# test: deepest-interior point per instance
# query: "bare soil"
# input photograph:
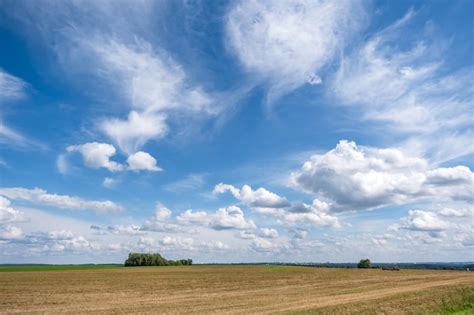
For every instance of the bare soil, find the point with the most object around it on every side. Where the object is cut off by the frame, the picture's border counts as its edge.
(231, 289)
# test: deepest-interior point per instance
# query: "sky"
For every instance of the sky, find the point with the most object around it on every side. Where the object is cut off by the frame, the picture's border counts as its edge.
(236, 131)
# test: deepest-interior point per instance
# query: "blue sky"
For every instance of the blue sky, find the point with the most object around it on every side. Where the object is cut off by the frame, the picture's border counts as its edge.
(236, 131)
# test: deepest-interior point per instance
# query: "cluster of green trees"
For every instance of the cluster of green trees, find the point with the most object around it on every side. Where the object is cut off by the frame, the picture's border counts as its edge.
(364, 263)
(144, 259)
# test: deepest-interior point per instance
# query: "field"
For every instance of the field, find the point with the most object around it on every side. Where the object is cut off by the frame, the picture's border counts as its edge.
(237, 289)
(9, 268)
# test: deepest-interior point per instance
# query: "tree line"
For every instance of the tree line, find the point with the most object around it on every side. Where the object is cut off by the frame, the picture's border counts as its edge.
(145, 259)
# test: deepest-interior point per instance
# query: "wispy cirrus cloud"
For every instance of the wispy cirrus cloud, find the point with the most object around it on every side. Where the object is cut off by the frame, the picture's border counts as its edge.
(410, 91)
(13, 89)
(154, 86)
(42, 197)
(152, 94)
(288, 43)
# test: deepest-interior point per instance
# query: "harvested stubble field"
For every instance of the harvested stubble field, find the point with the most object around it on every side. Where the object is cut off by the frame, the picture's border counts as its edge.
(236, 289)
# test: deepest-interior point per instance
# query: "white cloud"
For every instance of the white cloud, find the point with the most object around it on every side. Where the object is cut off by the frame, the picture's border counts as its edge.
(231, 217)
(62, 240)
(151, 79)
(167, 244)
(140, 161)
(109, 182)
(409, 91)
(316, 213)
(215, 245)
(129, 230)
(190, 217)
(7, 213)
(125, 64)
(457, 213)
(97, 155)
(189, 183)
(136, 130)
(42, 197)
(177, 243)
(353, 178)
(11, 233)
(289, 42)
(160, 221)
(11, 87)
(269, 203)
(49, 242)
(419, 220)
(8, 135)
(264, 245)
(153, 84)
(260, 198)
(246, 235)
(62, 164)
(162, 213)
(268, 233)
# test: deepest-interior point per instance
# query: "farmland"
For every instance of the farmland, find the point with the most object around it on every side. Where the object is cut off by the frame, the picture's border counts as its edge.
(236, 289)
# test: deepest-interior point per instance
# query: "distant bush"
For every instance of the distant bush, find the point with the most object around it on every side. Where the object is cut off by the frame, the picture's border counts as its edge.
(144, 259)
(364, 263)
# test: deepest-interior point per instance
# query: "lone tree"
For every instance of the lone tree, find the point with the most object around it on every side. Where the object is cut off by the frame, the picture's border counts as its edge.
(364, 263)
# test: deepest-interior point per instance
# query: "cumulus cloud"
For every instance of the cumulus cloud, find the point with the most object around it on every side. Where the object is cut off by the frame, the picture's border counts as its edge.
(419, 220)
(66, 241)
(140, 161)
(190, 217)
(160, 221)
(269, 203)
(97, 155)
(353, 178)
(231, 217)
(42, 197)
(429, 223)
(260, 244)
(288, 43)
(215, 245)
(268, 233)
(457, 213)
(7, 213)
(246, 235)
(179, 243)
(260, 198)
(128, 230)
(11, 233)
(50, 242)
(316, 213)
